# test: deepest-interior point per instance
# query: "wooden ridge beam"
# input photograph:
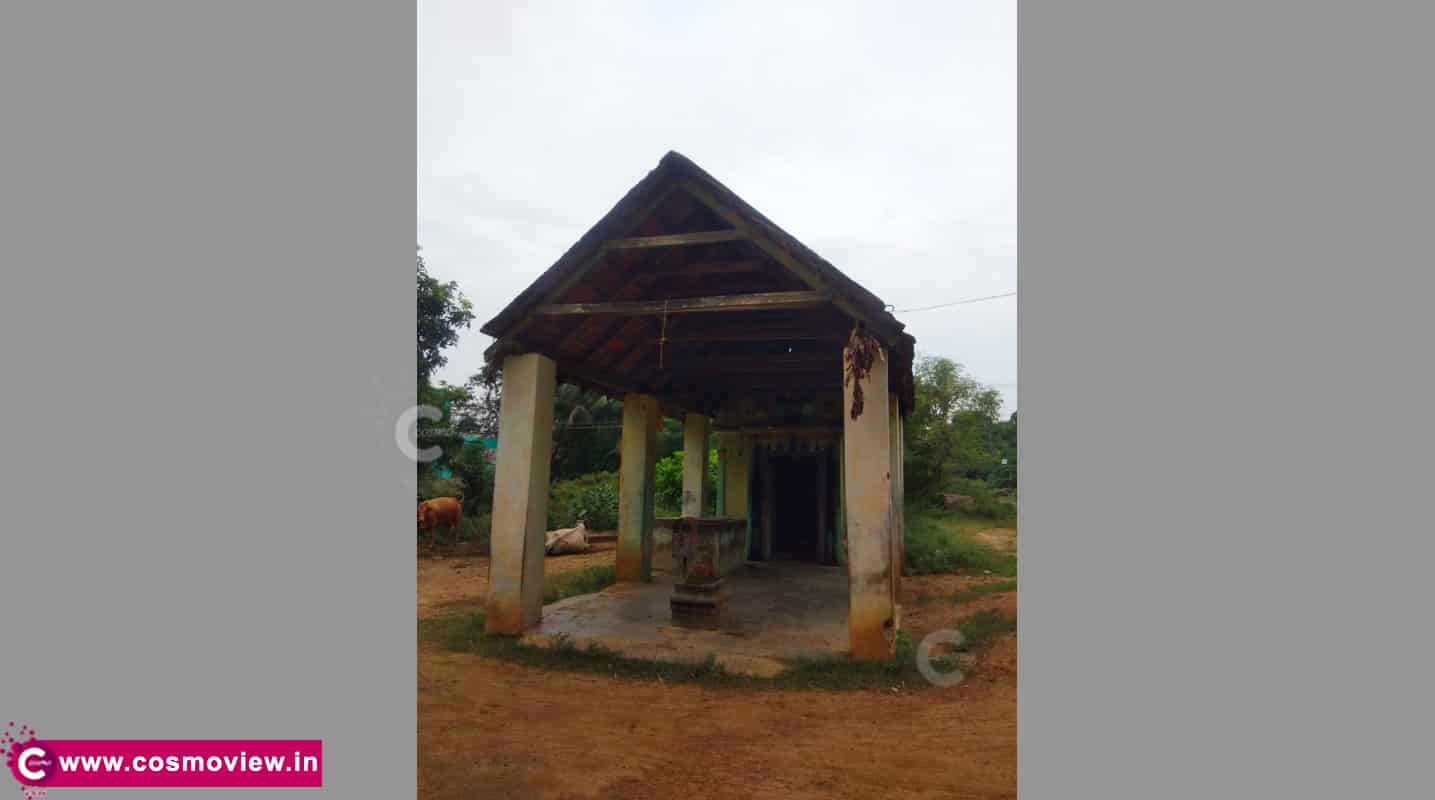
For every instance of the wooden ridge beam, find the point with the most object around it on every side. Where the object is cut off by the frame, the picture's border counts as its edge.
(704, 268)
(761, 301)
(675, 239)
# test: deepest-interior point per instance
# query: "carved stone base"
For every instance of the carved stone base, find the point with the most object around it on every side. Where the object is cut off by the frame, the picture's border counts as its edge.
(700, 605)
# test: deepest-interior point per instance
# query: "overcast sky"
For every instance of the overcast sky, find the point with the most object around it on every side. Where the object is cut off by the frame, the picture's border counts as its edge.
(884, 140)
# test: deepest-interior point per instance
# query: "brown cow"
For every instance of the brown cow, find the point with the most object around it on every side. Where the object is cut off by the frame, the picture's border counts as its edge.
(441, 511)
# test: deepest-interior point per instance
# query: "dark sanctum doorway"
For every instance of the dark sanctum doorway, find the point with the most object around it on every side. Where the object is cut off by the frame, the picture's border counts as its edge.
(795, 507)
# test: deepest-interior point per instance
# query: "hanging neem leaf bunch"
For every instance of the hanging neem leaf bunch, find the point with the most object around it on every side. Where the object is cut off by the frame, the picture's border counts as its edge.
(863, 350)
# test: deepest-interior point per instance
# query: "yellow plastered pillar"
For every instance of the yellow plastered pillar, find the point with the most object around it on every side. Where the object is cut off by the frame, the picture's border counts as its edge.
(639, 456)
(899, 524)
(867, 463)
(695, 464)
(520, 494)
(736, 467)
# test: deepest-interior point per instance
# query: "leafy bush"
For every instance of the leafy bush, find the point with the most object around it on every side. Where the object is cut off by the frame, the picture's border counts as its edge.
(475, 475)
(992, 508)
(668, 480)
(586, 493)
(597, 506)
(430, 488)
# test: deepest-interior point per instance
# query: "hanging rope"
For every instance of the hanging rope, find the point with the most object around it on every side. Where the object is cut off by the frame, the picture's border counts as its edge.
(663, 338)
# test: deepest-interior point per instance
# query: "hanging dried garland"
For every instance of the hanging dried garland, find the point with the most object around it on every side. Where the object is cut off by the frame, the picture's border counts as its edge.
(863, 350)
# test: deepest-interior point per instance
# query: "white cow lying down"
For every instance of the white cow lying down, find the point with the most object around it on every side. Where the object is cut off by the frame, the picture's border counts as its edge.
(566, 540)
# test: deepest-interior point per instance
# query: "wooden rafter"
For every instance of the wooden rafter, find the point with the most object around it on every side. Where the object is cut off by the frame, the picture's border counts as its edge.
(780, 255)
(629, 357)
(640, 217)
(594, 331)
(761, 301)
(675, 239)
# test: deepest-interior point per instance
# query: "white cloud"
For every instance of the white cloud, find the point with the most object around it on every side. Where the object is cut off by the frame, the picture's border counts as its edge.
(885, 141)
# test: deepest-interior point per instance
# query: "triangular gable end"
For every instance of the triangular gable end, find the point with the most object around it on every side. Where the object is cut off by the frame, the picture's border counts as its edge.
(630, 306)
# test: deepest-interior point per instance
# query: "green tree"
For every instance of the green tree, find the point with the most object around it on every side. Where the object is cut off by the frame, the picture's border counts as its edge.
(443, 312)
(443, 433)
(587, 430)
(1004, 434)
(951, 432)
(485, 400)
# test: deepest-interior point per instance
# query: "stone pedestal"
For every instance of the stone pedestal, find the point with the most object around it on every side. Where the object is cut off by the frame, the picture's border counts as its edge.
(700, 604)
(700, 559)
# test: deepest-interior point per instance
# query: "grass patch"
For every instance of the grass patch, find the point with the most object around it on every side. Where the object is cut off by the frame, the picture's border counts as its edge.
(940, 542)
(844, 672)
(982, 627)
(584, 581)
(973, 592)
(465, 634)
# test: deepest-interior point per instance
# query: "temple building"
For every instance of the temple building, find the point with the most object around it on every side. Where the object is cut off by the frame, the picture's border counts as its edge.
(686, 302)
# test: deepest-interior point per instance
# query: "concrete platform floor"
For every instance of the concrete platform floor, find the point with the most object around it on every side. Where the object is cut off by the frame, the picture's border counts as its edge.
(777, 612)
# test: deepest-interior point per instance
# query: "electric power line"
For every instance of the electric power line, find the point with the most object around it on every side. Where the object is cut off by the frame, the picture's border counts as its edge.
(955, 303)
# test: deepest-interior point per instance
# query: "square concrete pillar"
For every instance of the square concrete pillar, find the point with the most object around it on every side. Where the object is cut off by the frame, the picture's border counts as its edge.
(520, 494)
(899, 522)
(867, 464)
(841, 536)
(769, 505)
(735, 455)
(695, 464)
(823, 557)
(636, 498)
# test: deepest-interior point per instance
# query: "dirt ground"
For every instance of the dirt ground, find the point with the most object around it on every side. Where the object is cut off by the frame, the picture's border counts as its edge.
(492, 729)
(446, 577)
